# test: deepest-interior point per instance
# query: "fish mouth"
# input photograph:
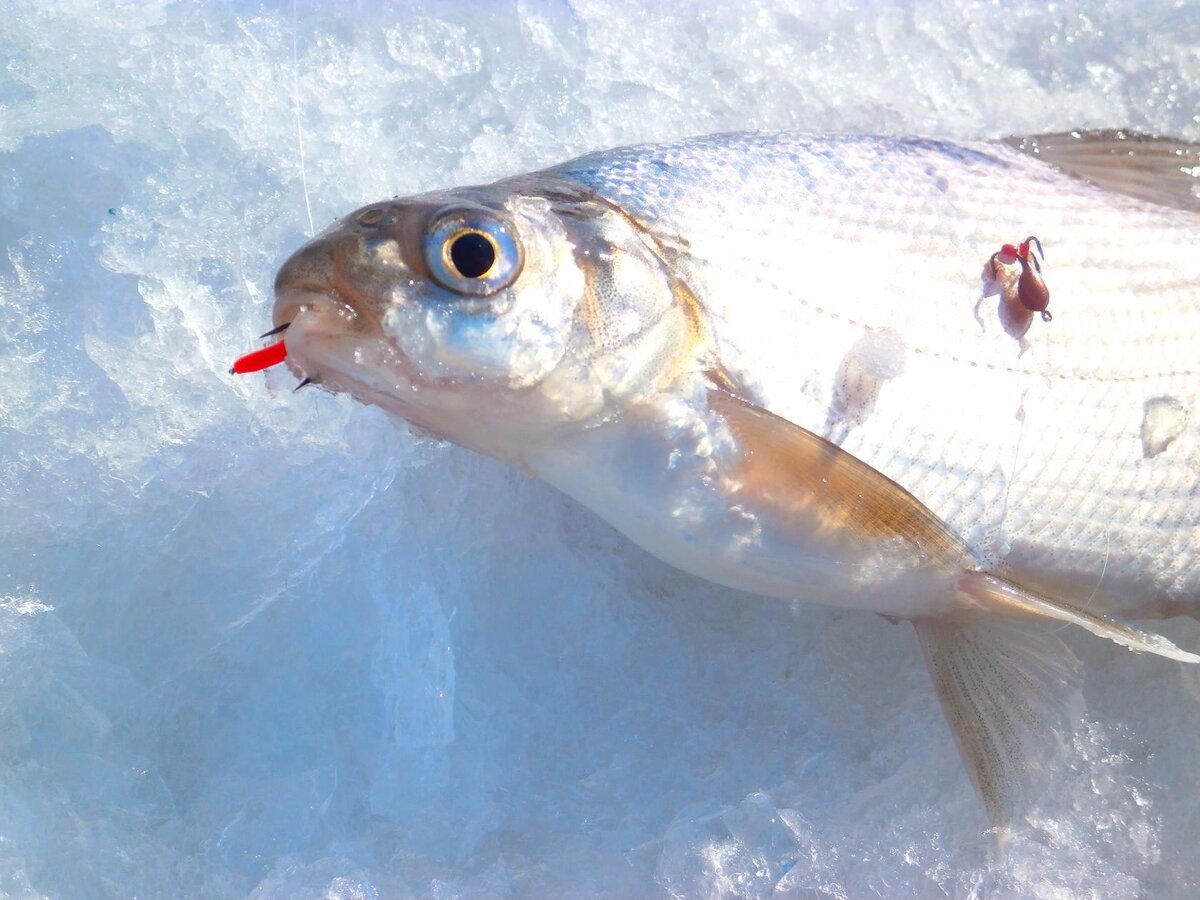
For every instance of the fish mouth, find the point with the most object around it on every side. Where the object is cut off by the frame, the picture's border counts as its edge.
(328, 342)
(334, 320)
(332, 344)
(301, 308)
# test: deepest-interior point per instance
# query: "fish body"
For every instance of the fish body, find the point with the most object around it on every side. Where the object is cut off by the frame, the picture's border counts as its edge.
(798, 366)
(844, 282)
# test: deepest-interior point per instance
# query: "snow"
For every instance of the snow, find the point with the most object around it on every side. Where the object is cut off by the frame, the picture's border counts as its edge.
(257, 643)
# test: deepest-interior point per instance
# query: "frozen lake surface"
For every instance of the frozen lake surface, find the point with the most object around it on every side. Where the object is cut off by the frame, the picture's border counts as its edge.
(271, 644)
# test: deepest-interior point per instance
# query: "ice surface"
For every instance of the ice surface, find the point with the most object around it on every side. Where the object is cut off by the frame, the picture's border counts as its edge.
(257, 643)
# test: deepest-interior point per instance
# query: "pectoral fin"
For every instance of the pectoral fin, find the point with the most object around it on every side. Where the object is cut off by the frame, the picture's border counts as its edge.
(1160, 170)
(800, 475)
(1011, 697)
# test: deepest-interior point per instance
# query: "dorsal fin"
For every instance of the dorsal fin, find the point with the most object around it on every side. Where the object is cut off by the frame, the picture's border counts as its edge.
(1160, 170)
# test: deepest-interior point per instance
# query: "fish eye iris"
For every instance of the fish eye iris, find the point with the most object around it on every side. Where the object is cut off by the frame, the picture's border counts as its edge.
(472, 254)
(472, 251)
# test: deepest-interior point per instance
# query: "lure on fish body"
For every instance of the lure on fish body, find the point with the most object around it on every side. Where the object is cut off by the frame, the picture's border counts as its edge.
(761, 357)
(1031, 292)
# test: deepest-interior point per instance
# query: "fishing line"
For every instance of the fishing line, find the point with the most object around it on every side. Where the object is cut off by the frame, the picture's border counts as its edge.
(296, 111)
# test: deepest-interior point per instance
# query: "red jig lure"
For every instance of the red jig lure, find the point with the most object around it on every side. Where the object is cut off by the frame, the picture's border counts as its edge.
(1031, 288)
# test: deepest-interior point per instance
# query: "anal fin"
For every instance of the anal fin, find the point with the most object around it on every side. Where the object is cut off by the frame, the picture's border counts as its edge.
(1011, 697)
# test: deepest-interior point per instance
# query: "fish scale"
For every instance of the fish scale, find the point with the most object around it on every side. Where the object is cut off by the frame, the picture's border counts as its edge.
(864, 233)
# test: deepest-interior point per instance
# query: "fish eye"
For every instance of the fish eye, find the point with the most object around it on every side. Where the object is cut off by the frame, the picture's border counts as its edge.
(472, 251)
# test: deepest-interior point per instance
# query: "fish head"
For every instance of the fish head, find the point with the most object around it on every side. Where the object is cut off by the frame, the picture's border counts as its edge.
(490, 316)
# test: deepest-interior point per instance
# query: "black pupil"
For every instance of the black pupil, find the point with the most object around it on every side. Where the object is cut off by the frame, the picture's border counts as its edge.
(473, 255)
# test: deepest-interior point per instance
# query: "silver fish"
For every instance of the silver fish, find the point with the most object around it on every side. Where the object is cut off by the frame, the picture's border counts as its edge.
(812, 367)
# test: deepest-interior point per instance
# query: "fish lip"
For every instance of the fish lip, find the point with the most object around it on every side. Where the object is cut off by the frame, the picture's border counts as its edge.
(309, 308)
(308, 296)
(315, 314)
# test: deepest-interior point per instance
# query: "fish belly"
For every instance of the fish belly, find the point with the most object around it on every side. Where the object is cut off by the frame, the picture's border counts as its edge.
(849, 289)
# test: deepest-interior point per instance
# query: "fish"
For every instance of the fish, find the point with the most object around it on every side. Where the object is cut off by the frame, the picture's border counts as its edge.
(824, 368)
